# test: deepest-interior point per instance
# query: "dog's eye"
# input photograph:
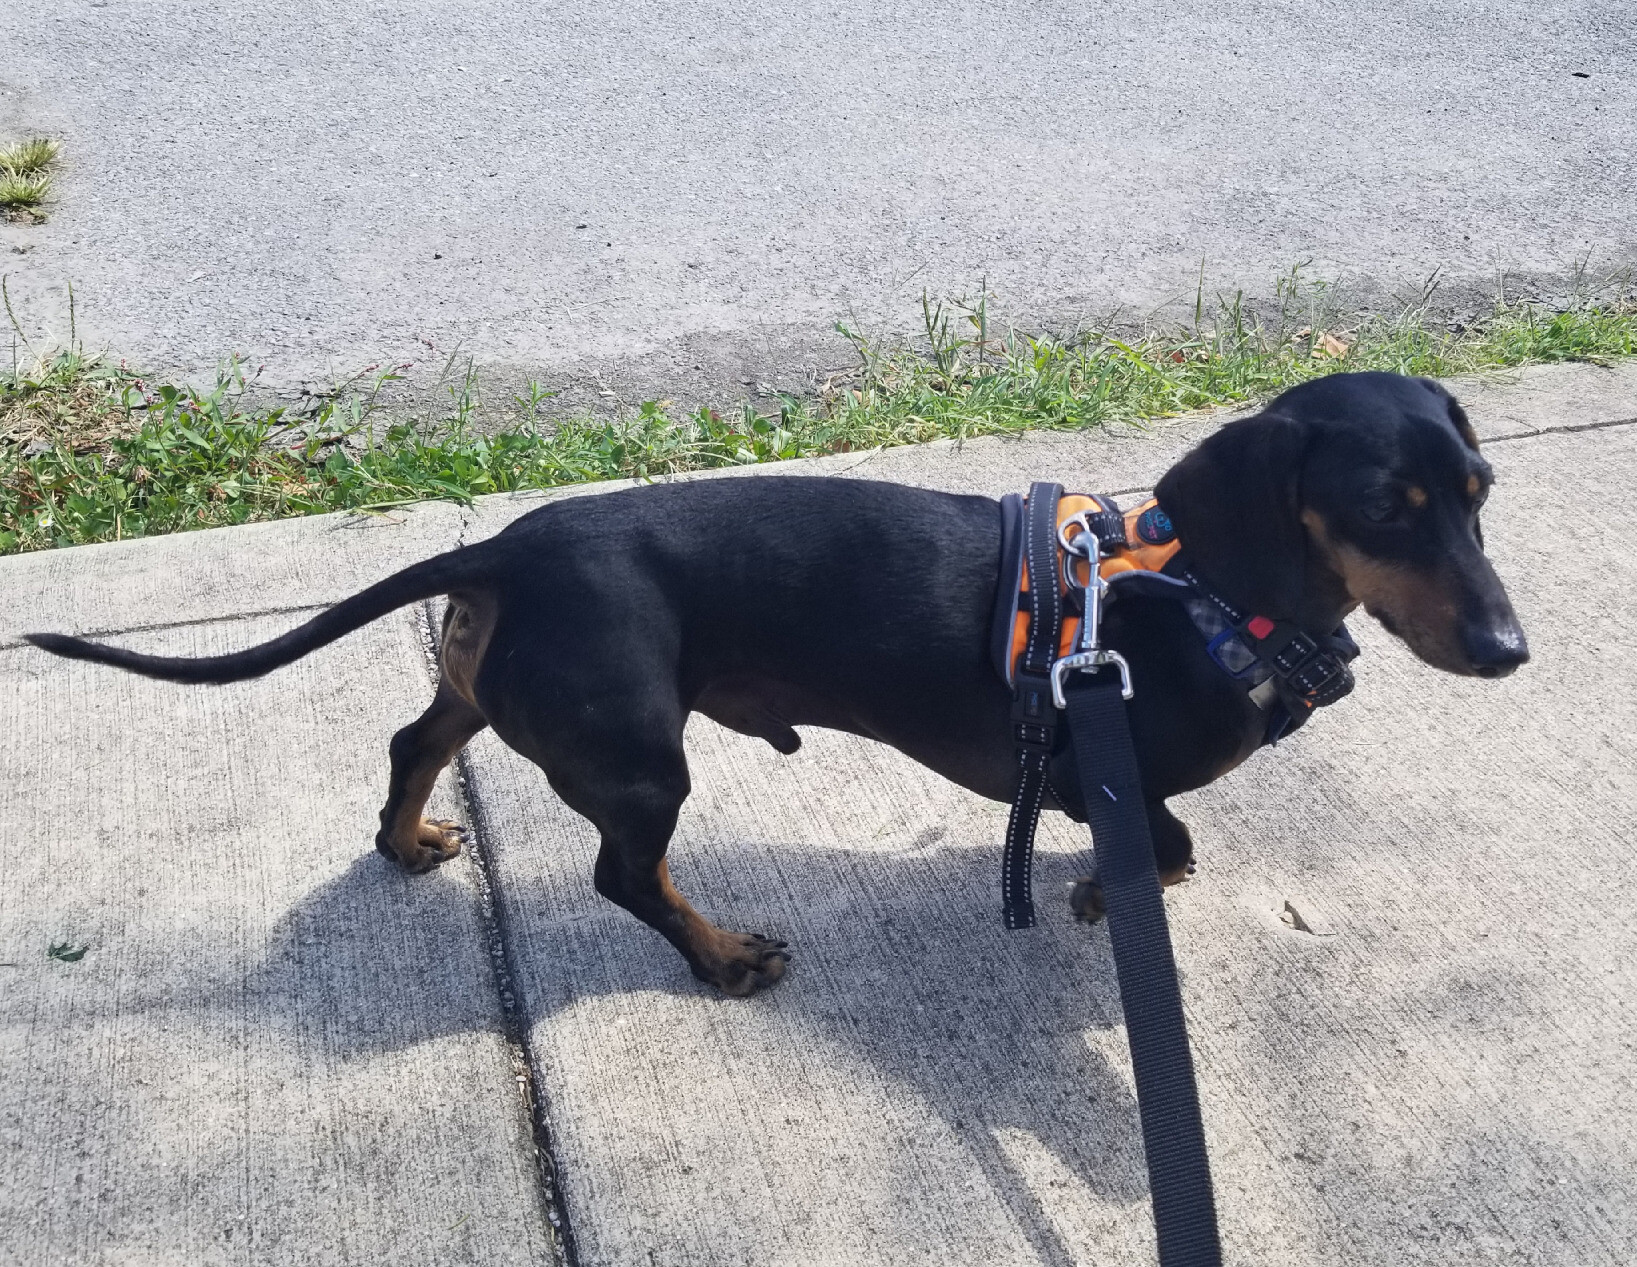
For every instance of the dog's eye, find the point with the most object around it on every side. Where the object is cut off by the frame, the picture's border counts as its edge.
(1379, 507)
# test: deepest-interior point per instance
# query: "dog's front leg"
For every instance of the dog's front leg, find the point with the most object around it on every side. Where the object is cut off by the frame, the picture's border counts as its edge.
(1173, 857)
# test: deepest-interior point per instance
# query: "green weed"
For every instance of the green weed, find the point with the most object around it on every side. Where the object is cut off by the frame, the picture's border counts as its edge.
(24, 158)
(23, 189)
(24, 181)
(93, 452)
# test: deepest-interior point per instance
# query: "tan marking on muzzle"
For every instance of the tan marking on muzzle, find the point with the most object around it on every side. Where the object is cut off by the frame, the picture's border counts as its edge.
(1418, 606)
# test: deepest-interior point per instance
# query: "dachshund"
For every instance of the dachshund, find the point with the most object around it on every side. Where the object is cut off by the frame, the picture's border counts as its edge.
(587, 631)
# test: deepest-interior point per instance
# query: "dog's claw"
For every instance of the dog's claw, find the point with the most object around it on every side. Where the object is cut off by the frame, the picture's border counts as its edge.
(754, 963)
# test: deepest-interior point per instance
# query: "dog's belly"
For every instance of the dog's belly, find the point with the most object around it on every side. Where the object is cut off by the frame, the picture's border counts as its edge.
(977, 756)
(770, 710)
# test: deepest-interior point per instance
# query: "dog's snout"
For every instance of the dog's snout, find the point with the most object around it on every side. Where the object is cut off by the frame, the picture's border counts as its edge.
(1496, 649)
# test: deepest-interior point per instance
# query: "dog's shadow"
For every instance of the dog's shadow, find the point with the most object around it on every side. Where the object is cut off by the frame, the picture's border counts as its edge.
(901, 964)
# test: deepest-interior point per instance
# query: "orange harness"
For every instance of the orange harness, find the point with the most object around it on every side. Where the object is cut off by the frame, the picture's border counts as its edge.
(1140, 547)
(1143, 524)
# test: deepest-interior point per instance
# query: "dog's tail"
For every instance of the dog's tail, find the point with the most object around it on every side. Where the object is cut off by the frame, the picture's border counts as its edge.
(466, 568)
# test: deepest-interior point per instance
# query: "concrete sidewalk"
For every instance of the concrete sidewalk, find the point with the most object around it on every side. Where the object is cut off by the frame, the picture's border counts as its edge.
(278, 1050)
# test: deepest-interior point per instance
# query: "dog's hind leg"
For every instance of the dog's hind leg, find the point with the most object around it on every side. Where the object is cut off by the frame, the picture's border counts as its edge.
(735, 963)
(625, 770)
(631, 870)
(419, 753)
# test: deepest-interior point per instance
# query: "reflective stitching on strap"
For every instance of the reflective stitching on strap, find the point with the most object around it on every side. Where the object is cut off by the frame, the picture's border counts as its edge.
(1031, 766)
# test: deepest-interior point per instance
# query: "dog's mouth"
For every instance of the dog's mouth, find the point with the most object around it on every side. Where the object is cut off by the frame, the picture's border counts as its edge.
(1454, 621)
(1486, 648)
(1436, 647)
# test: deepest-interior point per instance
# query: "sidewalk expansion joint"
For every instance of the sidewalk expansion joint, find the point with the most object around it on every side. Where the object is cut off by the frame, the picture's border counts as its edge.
(501, 958)
(1566, 428)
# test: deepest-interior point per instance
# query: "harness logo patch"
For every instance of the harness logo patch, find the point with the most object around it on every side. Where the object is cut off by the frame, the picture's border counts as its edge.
(1154, 526)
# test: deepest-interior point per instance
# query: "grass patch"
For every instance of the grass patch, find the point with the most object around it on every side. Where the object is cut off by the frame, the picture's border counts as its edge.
(24, 158)
(23, 189)
(25, 182)
(95, 452)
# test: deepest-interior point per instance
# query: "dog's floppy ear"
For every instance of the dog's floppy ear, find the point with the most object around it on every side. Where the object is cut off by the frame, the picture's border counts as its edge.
(1235, 503)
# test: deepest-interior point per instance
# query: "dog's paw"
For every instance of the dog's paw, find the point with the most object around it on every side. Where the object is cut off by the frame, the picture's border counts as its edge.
(739, 964)
(1086, 900)
(436, 841)
(1086, 897)
(1185, 872)
(441, 839)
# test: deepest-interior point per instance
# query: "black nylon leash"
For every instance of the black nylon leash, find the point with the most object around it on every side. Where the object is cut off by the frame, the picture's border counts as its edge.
(1179, 1171)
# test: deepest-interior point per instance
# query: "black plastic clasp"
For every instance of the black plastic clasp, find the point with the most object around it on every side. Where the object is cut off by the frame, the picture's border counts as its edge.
(1323, 679)
(1034, 717)
(1289, 653)
(1108, 523)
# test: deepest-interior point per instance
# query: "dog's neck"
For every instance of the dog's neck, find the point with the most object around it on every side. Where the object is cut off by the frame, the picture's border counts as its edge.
(1325, 602)
(1320, 604)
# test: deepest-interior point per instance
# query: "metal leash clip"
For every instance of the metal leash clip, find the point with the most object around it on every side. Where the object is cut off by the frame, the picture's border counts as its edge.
(1087, 656)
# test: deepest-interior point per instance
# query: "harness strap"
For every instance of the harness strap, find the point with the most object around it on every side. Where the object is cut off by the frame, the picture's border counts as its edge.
(1034, 718)
(1308, 672)
(1179, 1172)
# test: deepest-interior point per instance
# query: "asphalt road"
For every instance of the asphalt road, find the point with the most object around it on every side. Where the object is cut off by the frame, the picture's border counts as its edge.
(682, 195)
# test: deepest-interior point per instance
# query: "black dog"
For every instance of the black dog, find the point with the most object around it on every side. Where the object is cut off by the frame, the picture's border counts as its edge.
(587, 631)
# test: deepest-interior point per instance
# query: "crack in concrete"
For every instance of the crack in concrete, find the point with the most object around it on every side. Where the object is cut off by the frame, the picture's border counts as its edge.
(501, 959)
(1566, 428)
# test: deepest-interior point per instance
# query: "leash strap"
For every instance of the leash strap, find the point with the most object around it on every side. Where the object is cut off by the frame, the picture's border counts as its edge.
(1179, 1173)
(1034, 719)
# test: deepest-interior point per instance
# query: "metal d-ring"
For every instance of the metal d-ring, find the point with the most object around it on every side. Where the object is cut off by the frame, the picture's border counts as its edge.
(1084, 544)
(1072, 545)
(1089, 662)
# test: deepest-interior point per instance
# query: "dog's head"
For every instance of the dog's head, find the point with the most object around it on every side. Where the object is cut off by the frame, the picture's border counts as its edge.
(1353, 489)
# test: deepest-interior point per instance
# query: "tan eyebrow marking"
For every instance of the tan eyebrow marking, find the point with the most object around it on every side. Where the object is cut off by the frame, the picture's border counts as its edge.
(1416, 495)
(1472, 485)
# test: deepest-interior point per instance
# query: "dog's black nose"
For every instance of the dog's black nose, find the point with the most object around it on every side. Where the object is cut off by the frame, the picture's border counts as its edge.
(1496, 650)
